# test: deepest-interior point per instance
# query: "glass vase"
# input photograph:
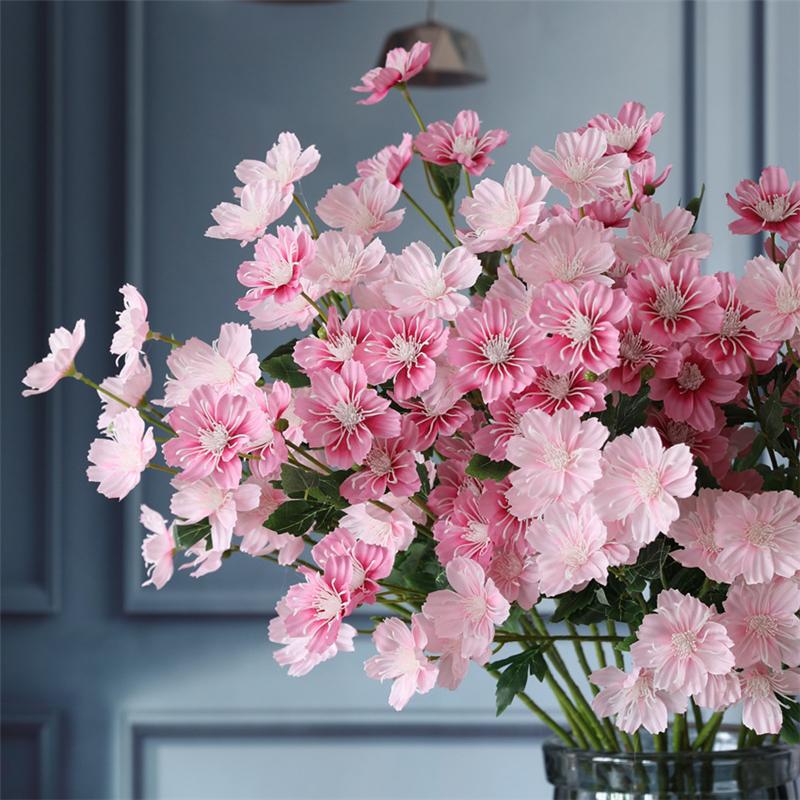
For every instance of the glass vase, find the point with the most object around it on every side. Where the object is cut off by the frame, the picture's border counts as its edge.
(725, 773)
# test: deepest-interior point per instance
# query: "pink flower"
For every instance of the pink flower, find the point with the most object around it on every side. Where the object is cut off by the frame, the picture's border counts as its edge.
(120, 460)
(342, 260)
(401, 65)
(157, 548)
(570, 547)
(720, 692)
(401, 659)
(492, 439)
(761, 709)
(59, 363)
(286, 163)
(422, 286)
(672, 300)
(758, 535)
(762, 621)
(771, 205)
(463, 533)
(257, 539)
(433, 417)
(344, 416)
(635, 699)
(515, 573)
(641, 480)
(389, 163)
(581, 324)
(340, 344)
(364, 211)
(133, 330)
(550, 392)
(580, 167)
(682, 644)
(558, 458)
(270, 315)
(773, 295)
(460, 143)
(470, 612)
(393, 529)
(630, 131)
(280, 261)
(212, 429)
(132, 390)
(262, 203)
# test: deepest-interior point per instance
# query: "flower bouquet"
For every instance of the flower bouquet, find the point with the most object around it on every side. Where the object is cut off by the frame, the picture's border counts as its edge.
(559, 433)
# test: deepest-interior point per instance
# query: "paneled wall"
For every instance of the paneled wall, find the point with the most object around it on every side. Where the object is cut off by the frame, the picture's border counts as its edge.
(121, 125)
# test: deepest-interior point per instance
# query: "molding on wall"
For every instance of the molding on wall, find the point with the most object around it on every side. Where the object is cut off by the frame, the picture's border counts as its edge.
(44, 726)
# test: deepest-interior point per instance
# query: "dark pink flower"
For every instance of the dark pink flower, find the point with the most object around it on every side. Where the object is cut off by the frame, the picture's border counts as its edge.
(389, 163)
(771, 205)
(630, 131)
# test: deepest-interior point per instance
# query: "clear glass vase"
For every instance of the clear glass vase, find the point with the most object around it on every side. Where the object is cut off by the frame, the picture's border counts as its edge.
(724, 773)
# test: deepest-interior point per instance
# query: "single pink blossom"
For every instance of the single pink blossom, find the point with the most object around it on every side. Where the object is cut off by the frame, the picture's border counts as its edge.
(341, 342)
(720, 692)
(286, 163)
(158, 548)
(59, 363)
(550, 392)
(761, 707)
(515, 572)
(262, 203)
(433, 417)
(119, 461)
(771, 205)
(269, 315)
(401, 65)
(389, 163)
(630, 131)
(463, 533)
(133, 330)
(492, 439)
(364, 211)
(644, 179)
(342, 260)
(392, 529)
(773, 295)
(131, 390)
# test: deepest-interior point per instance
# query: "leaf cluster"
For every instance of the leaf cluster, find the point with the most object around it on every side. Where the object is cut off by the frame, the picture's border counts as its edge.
(515, 672)
(281, 366)
(625, 413)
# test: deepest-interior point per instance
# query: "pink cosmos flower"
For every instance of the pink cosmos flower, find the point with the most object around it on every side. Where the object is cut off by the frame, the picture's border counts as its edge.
(389, 163)
(720, 692)
(401, 659)
(59, 363)
(464, 532)
(711, 446)
(470, 612)
(492, 439)
(495, 352)
(515, 573)
(262, 203)
(132, 390)
(344, 416)
(133, 330)
(558, 458)
(342, 260)
(212, 429)
(771, 205)
(341, 343)
(673, 301)
(453, 666)
(579, 167)
(758, 535)
(581, 324)
(652, 236)
(498, 216)
(630, 131)
(422, 286)
(120, 460)
(570, 546)
(270, 315)
(279, 262)
(401, 65)
(635, 699)
(433, 417)
(393, 529)
(286, 163)
(460, 143)
(641, 481)
(682, 644)
(270, 451)
(158, 548)
(761, 708)
(773, 295)
(550, 392)
(364, 211)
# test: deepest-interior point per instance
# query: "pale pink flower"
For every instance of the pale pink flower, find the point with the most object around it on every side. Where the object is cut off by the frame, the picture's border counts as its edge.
(460, 143)
(342, 260)
(402, 660)
(364, 211)
(673, 301)
(470, 612)
(512, 291)
(558, 458)
(389, 163)
(720, 692)
(158, 548)
(452, 481)
(550, 392)
(344, 416)
(504, 527)
(58, 363)
(570, 546)
(270, 451)
(269, 315)
(119, 461)
(131, 390)
(579, 167)
(464, 532)
(634, 699)
(498, 216)
(228, 365)
(761, 708)
(133, 330)
(582, 325)
(205, 561)
(762, 621)
(758, 535)
(515, 573)
(341, 343)
(641, 481)
(630, 131)
(393, 529)
(262, 203)
(212, 429)
(652, 236)
(423, 286)
(279, 262)
(453, 666)
(401, 65)
(771, 205)
(286, 163)
(773, 295)
(682, 644)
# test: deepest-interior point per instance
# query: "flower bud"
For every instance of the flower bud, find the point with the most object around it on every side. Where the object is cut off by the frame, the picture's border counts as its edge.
(281, 424)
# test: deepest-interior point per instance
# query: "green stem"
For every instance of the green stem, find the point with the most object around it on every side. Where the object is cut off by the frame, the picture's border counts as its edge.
(160, 337)
(612, 631)
(601, 654)
(323, 316)
(428, 219)
(708, 732)
(468, 182)
(305, 213)
(404, 92)
(151, 465)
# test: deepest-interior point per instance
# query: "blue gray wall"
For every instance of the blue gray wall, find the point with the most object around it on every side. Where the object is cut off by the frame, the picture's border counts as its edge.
(121, 125)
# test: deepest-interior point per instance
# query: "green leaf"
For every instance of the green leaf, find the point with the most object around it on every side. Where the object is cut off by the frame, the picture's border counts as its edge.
(483, 468)
(297, 482)
(791, 715)
(625, 645)
(772, 416)
(447, 179)
(284, 368)
(627, 413)
(752, 458)
(515, 677)
(425, 483)
(188, 535)
(570, 603)
(483, 284)
(329, 489)
(299, 516)
(693, 206)
(737, 415)
(281, 350)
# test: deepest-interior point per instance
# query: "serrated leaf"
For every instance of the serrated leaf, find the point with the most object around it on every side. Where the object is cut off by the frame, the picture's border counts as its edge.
(570, 603)
(299, 516)
(297, 482)
(483, 284)
(447, 178)
(281, 350)
(283, 368)
(188, 535)
(625, 645)
(514, 679)
(483, 468)
(772, 416)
